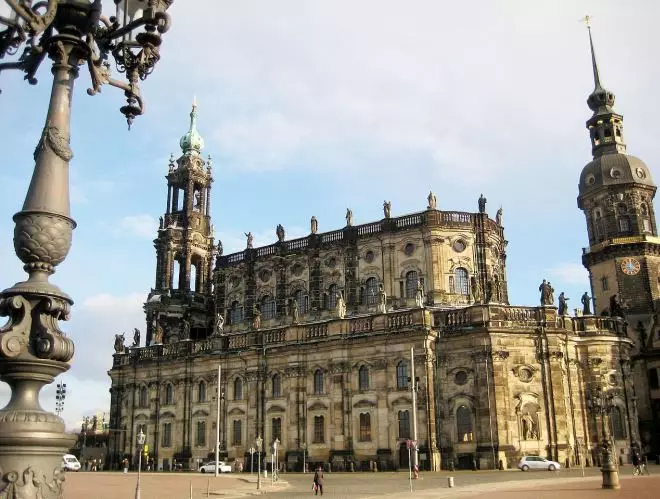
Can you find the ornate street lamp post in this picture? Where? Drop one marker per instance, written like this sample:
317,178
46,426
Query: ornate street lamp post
251,451
276,474
140,441
599,400
304,448
259,442
33,349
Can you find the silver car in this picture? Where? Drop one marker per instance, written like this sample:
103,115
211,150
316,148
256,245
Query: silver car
537,463
210,467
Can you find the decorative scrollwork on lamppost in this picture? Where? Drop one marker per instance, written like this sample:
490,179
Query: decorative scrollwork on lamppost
601,400
33,349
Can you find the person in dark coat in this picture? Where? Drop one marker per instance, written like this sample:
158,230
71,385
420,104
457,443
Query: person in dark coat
318,481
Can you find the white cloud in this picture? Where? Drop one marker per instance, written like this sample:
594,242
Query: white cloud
569,273
138,225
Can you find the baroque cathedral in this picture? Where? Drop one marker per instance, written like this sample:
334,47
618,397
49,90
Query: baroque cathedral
348,346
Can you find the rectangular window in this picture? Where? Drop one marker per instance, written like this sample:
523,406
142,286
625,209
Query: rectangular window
237,433
200,441
404,424
276,426
605,285
365,427
624,225
319,430
653,379
647,225
167,435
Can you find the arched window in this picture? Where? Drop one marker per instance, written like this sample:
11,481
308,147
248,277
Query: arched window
238,389
404,424
235,313
464,424
618,430
169,394
267,307
599,233
402,375
363,378
365,427
332,297
144,397
176,275
276,386
237,433
201,391
194,274
301,299
372,291
646,223
318,381
462,281
411,284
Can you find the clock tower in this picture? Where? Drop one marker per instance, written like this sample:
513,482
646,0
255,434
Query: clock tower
616,194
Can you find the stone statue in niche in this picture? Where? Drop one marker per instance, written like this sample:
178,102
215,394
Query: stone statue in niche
529,427
433,201
497,291
280,232
198,201
382,300
256,319
349,217
219,323
158,335
314,225
186,329
341,305
250,239
475,286
119,343
482,204
387,209
563,304
136,338
294,311
586,304
419,294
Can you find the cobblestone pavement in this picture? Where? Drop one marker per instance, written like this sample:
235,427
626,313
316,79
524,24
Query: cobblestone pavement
511,484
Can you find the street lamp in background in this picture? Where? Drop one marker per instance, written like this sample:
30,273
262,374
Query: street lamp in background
601,400
259,442
304,448
276,473
251,451
34,350
140,441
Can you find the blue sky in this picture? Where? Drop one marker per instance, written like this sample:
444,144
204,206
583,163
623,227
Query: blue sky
309,107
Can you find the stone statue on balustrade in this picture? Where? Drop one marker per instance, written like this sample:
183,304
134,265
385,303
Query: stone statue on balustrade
294,311
349,217
382,300
256,319
529,430
280,232
219,247
250,240
387,209
432,201
419,294
186,329
498,217
563,304
547,294
158,335
314,225
341,305
475,287
586,304
482,204
136,338
119,343
219,324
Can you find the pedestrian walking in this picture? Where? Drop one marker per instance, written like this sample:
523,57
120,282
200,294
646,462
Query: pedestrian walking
318,481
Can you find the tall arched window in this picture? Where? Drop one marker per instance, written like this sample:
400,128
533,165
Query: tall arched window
201,391
464,428
301,299
404,424
646,223
402,375
332,297
618,430
363,378
238,389
169,394
372,291
235,313
176,275
365,427
599,233
411,284
267,307
462,281
276,386
318,381
144,397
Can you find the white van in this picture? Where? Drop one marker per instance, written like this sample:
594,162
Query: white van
70,462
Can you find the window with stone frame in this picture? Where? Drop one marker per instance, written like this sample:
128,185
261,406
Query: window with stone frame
404,424
332,297
402,375
363,378
201,391
166,439
411,284
200,435
599,232
618,429
267,307
235,313
372,291
318,382
464,427
276,386
462,281
238,389
365,427
169,394
624,224
301,299
144,397
276,428
237,432
319,429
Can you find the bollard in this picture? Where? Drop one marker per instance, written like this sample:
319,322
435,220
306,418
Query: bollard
450,481
125,470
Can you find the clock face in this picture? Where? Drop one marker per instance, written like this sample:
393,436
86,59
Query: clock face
630,266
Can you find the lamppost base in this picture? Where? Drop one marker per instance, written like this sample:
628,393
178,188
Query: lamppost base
610,478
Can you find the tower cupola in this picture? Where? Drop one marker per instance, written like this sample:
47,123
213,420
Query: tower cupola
192,142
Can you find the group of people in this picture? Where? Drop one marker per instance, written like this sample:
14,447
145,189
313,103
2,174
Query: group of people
639,464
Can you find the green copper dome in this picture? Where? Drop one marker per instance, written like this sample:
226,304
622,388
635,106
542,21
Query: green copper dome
192,142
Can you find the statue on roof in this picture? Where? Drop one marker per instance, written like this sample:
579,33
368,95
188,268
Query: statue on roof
498,217
219,323
349,217
250,239
220,249
160,222
586,304
136,337
119,343
547,294
382,300
476,289
482,204
256,318
563,304
341,305
387,209
419,294
433,201
314,225
280,232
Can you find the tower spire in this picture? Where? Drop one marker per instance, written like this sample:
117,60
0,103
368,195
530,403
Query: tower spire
192,142
587,20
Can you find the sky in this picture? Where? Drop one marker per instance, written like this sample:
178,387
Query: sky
309,107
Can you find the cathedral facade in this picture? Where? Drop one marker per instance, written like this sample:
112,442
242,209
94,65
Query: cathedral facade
350,346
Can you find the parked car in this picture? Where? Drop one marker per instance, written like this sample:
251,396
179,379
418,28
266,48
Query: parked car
210,467
70,462
537,463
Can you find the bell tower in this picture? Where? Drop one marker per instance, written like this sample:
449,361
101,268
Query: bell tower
180,301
